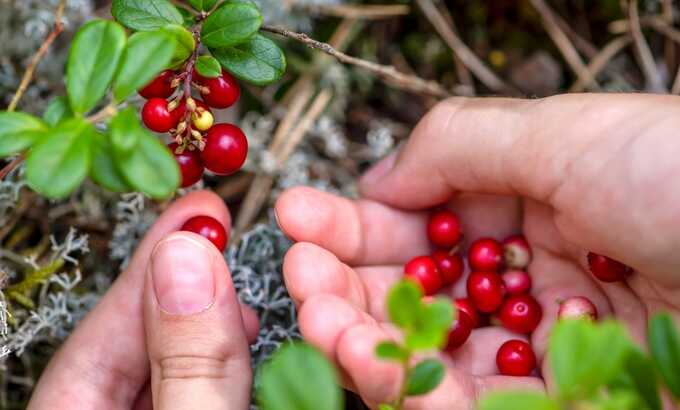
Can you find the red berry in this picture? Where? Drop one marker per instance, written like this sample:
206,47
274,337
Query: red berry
515,358
517,252
226,148
485,254
156,116
159,87
443,229
465,305
520,314
459,332
607,269
208,227
486,291
190,165
577,307
423,270
450,267
516,282
180,111
224,90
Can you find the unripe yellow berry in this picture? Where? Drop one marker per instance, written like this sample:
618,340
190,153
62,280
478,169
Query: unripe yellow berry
202,121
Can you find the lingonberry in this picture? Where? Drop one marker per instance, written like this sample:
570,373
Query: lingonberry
208,227
443,229
577,307
485,290
450,267
160,87
180,111
607,269
516,282
485,254
202,120
190,164
516,252
515,358
459,332
157,117
226,148
423,271
222,92
520,313
466,306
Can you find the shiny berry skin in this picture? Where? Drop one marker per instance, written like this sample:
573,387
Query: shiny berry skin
520,314
159,87
466,306
459,332
203,120
156,116
516,282
577,307
224,90
516,252
423,271
607,269
443,229
485,254
485,290
210,228
450,267
515,358
190,165
226,149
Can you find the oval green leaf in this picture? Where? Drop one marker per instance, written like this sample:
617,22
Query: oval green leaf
298,377
258,61
185,44
188,18
639,376
403,302
664,344
104,171
230,25
59,163
57,110
425,377
432,326
125,130
202,5
145,15
391,351
18,131
208,67
517,401
92,63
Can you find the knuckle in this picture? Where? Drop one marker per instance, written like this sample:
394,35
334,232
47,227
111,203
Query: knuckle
195,367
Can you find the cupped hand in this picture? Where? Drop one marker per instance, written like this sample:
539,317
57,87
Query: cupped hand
169,334
574,173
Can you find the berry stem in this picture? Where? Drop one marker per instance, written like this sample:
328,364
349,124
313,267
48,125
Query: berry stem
399,403
107,112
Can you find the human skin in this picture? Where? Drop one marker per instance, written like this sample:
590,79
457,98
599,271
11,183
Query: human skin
575,173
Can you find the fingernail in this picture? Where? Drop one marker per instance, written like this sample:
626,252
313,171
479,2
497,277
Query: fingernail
379,170
183,280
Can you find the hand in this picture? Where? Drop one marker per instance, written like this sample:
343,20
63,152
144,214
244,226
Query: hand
169,331
575,173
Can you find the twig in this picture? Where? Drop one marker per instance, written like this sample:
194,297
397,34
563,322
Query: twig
644,54
669,47
368,12
564,44
461,70
389,73
599,62
109,111
13,164
581,44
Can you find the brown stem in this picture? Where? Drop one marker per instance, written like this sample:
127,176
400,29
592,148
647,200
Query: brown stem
10,167
106,112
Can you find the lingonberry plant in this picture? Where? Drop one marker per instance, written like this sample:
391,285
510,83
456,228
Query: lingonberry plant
184,59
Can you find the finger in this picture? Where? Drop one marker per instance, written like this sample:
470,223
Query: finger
251,323
103,373
580,154
195,334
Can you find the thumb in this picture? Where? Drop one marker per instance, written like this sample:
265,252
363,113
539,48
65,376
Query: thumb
195,334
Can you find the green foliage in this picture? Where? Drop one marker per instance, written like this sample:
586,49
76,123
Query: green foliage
202,5
19,131
403,303
664,345
298,377
185,44
57,110
125,131
145,15
639,376
208,67
104,171
425,377
231,24
391,351
517,401
258,60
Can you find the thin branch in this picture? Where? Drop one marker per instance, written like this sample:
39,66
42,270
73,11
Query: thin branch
109,111
389,73
13,164
461,70
644,54
600,61
669,47
351,11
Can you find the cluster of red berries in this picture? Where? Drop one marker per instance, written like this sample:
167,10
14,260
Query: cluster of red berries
209,228
198,143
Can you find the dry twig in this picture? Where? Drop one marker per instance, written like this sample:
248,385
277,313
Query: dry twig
352,11
643,53
599,62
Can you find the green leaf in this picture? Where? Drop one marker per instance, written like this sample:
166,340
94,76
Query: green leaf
230,25
18,131
258,60
425,377
385,407
403,302
146,55
188,18
517,401
202,5
208,67
391,351
298,377
57,110
104,171
432,326
60,161
185,44
145,15
664,345
92,63
150,167
126,130
639,376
